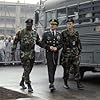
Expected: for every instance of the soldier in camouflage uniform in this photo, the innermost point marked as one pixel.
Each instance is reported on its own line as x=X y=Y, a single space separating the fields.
x=51 y=41
x=27 y=39
x=70 y=55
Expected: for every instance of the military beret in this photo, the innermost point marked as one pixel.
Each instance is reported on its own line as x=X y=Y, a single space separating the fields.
x=70 y=20
x=29 y=21
x=54 y=21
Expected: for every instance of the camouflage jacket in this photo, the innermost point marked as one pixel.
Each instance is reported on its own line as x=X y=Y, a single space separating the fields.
x=71 y=44
x=27 y=40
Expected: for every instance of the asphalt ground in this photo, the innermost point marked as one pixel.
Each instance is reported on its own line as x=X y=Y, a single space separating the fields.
x=10 y=77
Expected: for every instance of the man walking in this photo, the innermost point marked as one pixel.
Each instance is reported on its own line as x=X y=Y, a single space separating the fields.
x=27 y=39
x=70 y=55
x=51 y=41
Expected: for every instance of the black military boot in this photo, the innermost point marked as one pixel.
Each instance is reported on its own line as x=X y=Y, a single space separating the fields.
x=30 y=88
x=52 y=88
x=66 y=84
x=79 y=85
x=22 y=84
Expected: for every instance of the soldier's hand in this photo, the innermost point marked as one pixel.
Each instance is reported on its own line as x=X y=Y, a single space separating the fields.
x=51 y=48
x=54 y=48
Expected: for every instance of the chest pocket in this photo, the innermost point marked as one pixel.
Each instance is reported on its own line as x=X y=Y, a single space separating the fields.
x=65 y=40
x=58 y=38
x=73 y=40
x=49 y=39
x=27 y=40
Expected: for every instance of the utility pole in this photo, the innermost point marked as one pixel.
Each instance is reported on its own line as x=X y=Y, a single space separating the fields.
x=17 y=16
x=39 y=18
x=4 y=18
x=25 y=12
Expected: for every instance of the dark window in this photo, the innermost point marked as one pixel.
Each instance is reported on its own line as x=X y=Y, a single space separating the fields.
x=96 y=11
x=49 y=15
x=73 y=12
x=61 y=16
x=85 y=13
x=61 y=12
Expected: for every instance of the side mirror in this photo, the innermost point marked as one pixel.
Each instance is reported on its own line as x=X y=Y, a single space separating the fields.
x=36 y=17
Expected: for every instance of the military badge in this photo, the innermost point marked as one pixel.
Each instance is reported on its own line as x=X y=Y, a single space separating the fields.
x=48 y=37
x=58 y=37
x=73 y=43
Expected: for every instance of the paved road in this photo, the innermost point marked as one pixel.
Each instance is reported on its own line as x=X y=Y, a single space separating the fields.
x=10 y=77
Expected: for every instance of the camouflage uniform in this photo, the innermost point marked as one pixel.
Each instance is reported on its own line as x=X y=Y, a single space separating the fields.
x=70 y=59
x=27 y=40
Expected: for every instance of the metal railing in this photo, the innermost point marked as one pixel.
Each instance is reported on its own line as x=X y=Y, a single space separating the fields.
x=6 y=58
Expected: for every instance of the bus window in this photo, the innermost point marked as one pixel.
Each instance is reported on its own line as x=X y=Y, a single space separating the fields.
x=49 y=15
x=96 y=10
x=73 y=13
x=61 y=16
x=85 y=13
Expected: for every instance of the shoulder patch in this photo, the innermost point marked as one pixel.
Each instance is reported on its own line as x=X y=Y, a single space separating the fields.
x=64 y=31
x=58 y=32
x=45 y=31
x=23 y=30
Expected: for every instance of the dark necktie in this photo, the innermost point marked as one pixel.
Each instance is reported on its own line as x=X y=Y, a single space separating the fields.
x=53 y=33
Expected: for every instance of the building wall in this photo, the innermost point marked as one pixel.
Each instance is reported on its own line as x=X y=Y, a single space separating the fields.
x=13 y=16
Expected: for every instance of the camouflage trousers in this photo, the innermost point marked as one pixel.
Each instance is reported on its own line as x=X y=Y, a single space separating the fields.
x=71 y=66
x=27 y=65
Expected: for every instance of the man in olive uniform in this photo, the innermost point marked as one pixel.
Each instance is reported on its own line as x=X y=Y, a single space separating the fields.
x=27 y=39
x=51 y=41
x=70 y=54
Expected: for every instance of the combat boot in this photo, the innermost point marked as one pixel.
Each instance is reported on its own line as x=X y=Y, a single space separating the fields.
x=79 y=85
x=66 y=84
x=29 y=88
x=52 y=88
x=22 y=84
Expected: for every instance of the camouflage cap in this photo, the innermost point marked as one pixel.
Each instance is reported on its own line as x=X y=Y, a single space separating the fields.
x=29 y=21
x=54 y=21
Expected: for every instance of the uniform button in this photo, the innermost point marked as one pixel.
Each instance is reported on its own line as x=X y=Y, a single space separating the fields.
x=53 y=44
